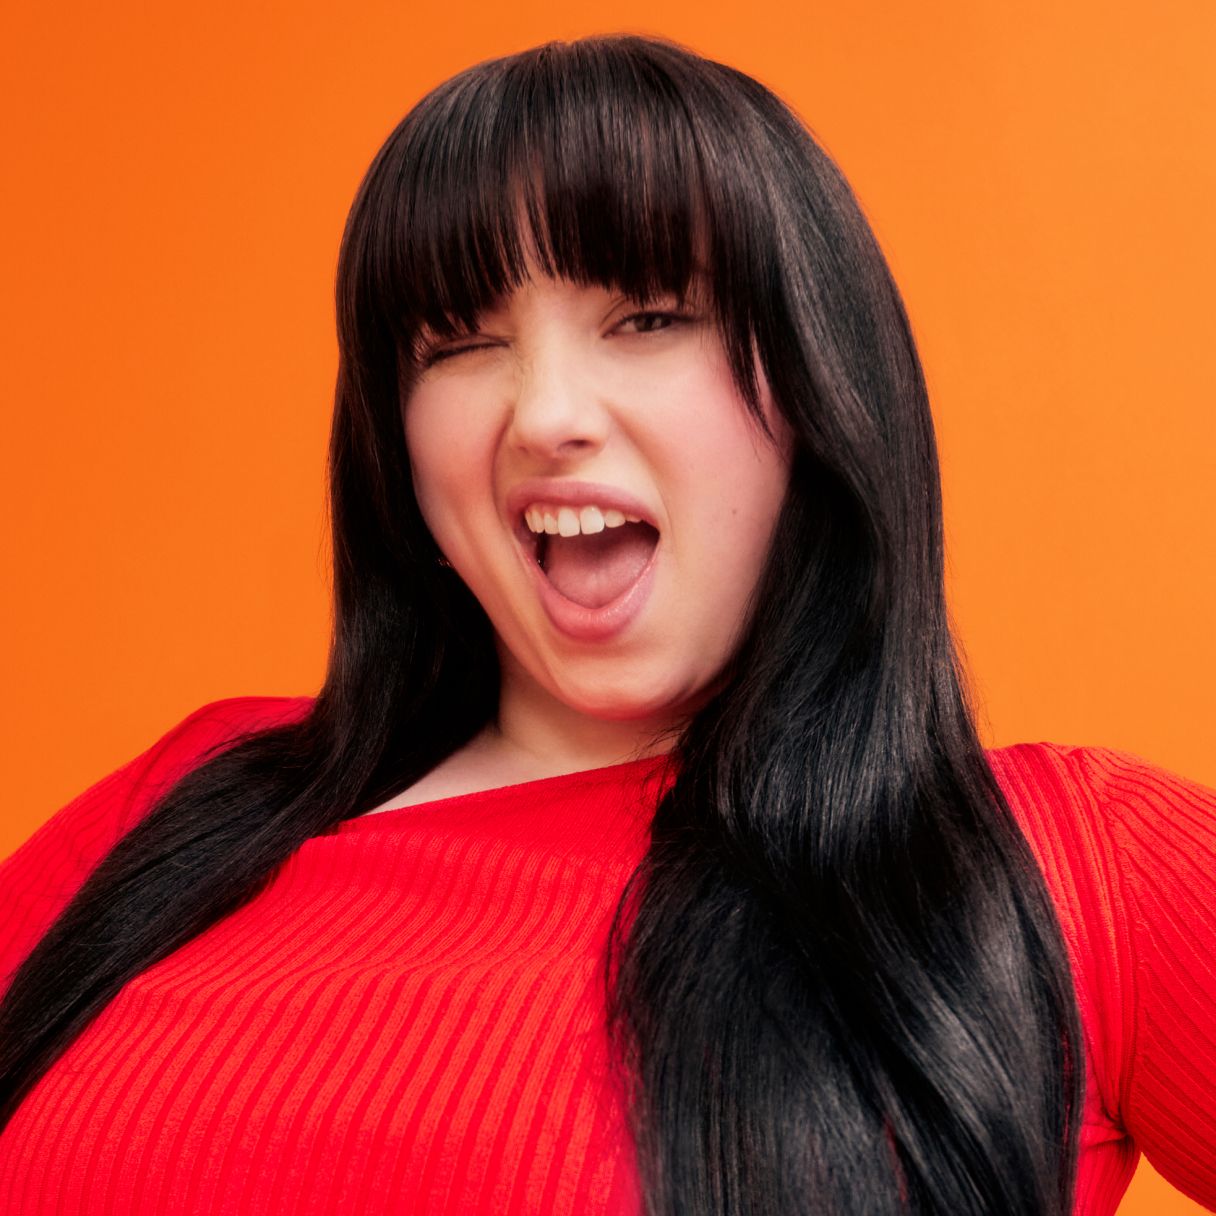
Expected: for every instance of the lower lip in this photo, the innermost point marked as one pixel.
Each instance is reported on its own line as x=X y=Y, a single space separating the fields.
x=593 y=624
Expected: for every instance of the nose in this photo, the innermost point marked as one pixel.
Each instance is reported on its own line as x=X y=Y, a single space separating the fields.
x=557 y=411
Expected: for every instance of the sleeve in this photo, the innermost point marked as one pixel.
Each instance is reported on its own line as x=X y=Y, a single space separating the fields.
x=38 y=880
x=1162 y=832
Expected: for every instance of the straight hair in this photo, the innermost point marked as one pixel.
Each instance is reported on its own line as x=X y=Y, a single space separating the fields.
x=836 y=981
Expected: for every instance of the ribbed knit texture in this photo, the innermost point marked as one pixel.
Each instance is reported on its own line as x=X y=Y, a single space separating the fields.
x=409 y=1019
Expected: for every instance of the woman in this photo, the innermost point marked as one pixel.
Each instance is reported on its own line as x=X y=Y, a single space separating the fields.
x=639 y=851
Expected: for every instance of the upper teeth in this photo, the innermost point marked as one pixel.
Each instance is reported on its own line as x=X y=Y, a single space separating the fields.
x=566 y=521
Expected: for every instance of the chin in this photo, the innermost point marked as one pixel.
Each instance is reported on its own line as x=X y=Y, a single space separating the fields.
x=627 y=704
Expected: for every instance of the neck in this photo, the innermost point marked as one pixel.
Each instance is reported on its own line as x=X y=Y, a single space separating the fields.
x=542 y=734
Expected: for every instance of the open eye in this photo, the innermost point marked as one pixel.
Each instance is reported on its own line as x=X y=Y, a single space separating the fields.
x=647 y=318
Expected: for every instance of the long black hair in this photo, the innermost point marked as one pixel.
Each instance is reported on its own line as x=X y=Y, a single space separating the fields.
x=836 y=980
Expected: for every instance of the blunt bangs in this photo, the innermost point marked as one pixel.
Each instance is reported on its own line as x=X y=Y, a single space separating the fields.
x=586 y=157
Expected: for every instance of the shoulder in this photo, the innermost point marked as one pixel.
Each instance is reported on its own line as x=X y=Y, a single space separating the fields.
x=95 y=818
x=46 y=870
x=1067 y=796
x=243 y=714
x=203 y=733
x=1128 y=851
x=1126 y=844
x=229 y=719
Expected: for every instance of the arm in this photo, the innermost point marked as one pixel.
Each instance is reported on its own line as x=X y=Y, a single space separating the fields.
x=1162 y=832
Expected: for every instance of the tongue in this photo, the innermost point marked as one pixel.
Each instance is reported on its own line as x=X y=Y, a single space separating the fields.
x=593 y=570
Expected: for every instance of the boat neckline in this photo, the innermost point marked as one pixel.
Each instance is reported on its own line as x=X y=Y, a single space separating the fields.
x=554 y=781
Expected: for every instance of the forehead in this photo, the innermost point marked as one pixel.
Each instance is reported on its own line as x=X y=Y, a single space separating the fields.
x=459 y=264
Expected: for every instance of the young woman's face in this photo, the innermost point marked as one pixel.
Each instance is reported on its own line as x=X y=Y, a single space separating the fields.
x=569 y=412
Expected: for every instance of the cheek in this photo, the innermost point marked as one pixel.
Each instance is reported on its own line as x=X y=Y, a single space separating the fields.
x=707 y=418
x=736 y=471
x=442 y=448
x=736 y=485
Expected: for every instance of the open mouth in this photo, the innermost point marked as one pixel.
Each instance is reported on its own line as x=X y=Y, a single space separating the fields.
x=592 y=569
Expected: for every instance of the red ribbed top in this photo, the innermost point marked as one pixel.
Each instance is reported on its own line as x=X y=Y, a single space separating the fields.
x=409 y=1018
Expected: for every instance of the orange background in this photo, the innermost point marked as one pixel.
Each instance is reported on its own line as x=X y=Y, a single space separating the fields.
x=1041 y=176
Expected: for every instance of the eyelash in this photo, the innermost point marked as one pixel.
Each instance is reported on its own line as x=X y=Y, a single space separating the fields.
x=438 y=356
